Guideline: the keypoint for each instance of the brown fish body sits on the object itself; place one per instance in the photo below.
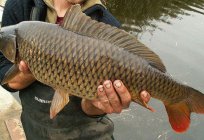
(76, 59)
(78, 64)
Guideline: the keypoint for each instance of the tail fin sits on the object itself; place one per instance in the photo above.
(179, 113)
(195, 101)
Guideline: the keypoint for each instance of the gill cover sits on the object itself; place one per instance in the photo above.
(8, 46)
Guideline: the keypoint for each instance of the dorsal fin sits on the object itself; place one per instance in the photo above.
(76, 21)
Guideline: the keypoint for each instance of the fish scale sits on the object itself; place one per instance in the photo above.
(79, 55)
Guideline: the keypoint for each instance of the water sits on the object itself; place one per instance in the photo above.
(174, 29)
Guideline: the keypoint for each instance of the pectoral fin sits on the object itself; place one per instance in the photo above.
(60, 99)
(11, 73)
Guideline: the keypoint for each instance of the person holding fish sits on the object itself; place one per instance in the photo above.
(81, 118)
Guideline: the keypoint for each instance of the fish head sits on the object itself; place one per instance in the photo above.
(8, 43)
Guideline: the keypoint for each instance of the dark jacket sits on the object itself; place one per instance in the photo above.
(71, 122)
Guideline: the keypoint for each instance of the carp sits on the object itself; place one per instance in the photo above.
(78, 55)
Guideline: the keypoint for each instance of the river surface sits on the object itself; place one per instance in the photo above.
(174, 29)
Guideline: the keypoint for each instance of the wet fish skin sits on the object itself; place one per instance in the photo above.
(82, 65)
(75, 59)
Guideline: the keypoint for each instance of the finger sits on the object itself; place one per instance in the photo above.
(102, 97)
(145, 96)
(112, 96)
(123, 93)
(98, 105)
(23, 67)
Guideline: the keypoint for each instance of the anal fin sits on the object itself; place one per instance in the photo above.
(144, 104)
(60, 99)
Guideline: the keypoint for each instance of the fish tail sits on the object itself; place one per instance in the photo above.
(179, 113)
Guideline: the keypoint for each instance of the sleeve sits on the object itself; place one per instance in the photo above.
(13, 13)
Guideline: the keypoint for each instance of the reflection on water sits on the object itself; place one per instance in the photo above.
(138, 14)
(174, 29)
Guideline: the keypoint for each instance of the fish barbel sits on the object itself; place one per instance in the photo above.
(77, 56)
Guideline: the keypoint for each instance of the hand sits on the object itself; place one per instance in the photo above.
(24, 68)
(112, 98)
(23, 79)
